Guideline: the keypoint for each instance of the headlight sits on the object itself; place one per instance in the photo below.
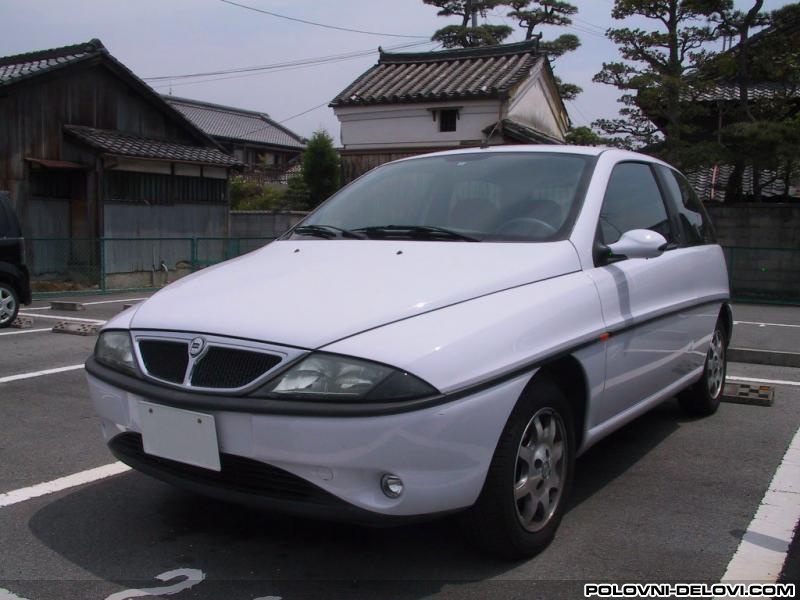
(114, 349)
(331, 378)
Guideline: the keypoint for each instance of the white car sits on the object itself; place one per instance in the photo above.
(446, 334)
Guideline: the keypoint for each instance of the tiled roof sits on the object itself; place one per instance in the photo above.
(24, 66)
(710, 182)
(730, 91)
(466, 74)
(235, 124)
(20, 66)
(124, 144)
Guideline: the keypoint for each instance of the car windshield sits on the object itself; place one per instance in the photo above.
(481, 196)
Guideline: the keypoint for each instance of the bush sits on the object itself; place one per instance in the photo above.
(249, 195)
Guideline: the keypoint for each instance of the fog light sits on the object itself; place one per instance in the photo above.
(392, 486)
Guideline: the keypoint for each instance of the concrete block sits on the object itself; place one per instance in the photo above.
(22, 323)
(744, 393)
(59, 305)
(773, 358)
(74, 328)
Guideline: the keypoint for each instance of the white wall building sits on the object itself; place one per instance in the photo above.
(412, 103)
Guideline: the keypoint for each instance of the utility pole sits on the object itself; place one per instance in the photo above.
(474, 17)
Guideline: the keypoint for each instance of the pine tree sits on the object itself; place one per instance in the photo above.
(468, 34)
(532, 14)
(655, 67)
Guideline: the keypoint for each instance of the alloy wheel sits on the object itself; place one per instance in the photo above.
(8, 305)
(539, 473)
(715, 364)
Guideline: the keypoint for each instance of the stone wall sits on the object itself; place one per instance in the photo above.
(762, 245)
(762, 225)
(262, 224)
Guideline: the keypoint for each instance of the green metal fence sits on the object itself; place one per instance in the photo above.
(98, 265)
(62, 266)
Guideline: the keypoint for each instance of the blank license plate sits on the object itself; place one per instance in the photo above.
(182, 435)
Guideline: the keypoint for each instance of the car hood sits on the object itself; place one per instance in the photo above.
(310, 293)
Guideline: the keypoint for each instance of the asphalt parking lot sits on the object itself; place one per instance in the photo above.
(667, 498)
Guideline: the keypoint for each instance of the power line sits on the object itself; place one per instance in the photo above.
(242, 72)
(586, 119)
(266, 67)
(325, 25)
(589, 24)
(300, 114)
(291, 63)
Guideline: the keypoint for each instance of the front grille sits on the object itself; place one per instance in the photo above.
(164, 359)
(231, 368)
(238, 474)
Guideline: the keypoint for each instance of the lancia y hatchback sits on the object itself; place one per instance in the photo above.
(446, 334)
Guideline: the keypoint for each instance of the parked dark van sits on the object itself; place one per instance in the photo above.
(15, 286)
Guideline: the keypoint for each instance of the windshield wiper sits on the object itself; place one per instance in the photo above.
(426, 232)
(328, 232)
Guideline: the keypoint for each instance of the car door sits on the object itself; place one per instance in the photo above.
(698, 244)
(645, 302)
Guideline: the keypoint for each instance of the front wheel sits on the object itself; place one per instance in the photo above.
(703, 398)
(523, 498)
(9, 304)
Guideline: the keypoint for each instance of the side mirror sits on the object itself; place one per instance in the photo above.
(638, 243)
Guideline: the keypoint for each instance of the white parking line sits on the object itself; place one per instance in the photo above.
(765, 324)
(762, 551)
(759, 380)
(62, 483)
(55, 318)
(21, 331)
(33, 374)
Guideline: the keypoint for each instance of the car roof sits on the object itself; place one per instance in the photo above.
(545, 148)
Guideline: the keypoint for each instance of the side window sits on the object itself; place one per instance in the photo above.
(633, 201)
(691, 213)
(9, 224)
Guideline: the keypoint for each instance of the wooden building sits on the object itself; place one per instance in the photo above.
(413, 103)
(88, 150)
(267, 148)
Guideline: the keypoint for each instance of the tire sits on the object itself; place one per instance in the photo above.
(9, 304)
(702, 399)
(500, 522)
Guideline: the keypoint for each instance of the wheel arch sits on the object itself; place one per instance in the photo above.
(726, 316)
(570, 376)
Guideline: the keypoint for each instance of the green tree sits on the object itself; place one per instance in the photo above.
(586, 136)
(469, 34)
(761, 131)
(736, 66)
(533, 14)
(654, 72)
(320, 168)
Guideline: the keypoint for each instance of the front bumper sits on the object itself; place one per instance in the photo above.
(441, 453)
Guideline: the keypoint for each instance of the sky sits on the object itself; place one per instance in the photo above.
(157, 38)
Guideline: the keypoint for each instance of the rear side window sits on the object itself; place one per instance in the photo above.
(694, 220)
(633, 201)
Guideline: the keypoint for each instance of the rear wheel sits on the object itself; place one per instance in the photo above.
(523, 498)
(9, 304)
(703, 397)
